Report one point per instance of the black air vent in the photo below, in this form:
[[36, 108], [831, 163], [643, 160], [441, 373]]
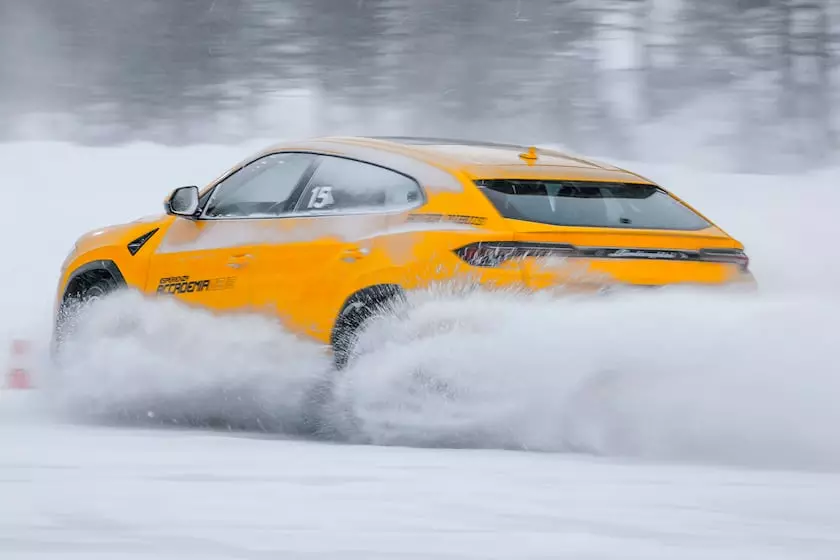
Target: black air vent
[[138, 243]]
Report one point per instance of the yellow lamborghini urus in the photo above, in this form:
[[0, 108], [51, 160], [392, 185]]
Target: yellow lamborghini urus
[[322, 233]]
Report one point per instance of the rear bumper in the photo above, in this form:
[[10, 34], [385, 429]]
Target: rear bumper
[[741, 283]]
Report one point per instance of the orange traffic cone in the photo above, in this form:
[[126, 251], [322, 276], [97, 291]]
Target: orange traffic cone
[[19, 376]]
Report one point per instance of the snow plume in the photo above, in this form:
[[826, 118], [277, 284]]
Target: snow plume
[[677, 374], [132, 360]]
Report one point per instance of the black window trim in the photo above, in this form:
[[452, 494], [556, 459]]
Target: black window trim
[[300, 188]]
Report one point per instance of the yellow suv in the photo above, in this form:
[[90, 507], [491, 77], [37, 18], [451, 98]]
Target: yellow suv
[[322, 232]]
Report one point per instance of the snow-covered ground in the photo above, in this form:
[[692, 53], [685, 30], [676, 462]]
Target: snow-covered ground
[[681, 425]]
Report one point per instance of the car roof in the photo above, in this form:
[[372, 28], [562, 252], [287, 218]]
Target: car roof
[[479, 159]]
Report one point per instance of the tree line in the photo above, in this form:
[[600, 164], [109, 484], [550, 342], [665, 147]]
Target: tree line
[[749, 80]]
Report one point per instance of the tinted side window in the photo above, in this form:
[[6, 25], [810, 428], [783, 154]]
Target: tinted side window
[[263, 187], [340, 185]]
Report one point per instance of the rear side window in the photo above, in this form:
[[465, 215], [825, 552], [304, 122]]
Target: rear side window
[[590, 204], [345, 185]]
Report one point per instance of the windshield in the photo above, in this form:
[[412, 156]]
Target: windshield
[[590, 204]]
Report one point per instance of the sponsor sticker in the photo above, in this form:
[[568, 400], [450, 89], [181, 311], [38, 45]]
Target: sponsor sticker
[[453, 218], [183, 284]]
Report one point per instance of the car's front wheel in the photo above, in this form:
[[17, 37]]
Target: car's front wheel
[[81, 294]]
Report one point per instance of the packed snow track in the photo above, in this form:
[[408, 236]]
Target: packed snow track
[[680, 424]]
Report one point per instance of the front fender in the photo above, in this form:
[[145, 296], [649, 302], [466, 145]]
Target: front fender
[[109, 249]]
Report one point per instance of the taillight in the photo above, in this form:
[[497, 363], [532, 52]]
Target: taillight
[[495, 253], [485, 254], [734, 256]]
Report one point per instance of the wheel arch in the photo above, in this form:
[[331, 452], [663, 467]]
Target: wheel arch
[[89, 273]]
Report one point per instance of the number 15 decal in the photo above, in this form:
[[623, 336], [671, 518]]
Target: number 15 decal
[[321, 197]]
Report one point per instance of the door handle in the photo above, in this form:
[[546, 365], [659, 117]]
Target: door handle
[[354, 253], [239, 260]]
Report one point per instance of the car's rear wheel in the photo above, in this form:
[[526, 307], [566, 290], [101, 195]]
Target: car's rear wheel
[[319, 415], [355, 316]]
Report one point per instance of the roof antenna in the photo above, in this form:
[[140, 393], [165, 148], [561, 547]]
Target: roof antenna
[[530, 155]]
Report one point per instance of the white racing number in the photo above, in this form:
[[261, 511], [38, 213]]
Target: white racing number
[[321, 197]]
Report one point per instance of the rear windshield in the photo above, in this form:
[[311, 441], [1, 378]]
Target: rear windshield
[[590, 204]]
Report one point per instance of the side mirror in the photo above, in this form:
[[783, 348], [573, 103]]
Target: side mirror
[[183, 202]]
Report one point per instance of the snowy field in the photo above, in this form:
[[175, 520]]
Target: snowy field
[[679, 425]]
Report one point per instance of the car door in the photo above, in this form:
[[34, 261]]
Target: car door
[[207, 261], [331, 242]]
